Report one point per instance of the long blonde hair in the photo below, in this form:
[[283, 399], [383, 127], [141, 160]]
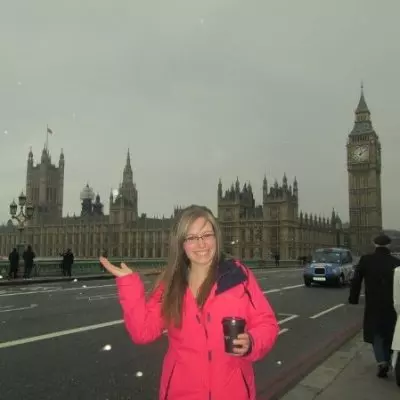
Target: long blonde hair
[[174, 278]]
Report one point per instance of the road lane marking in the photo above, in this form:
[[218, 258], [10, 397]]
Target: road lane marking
[[65, 290], [275, 270], [287, 319], [271, 291], [281, 289], [60, 289], [55, 290], [282, 321], [97, 297], [9, 308], [53, 335], [264, 278], [66, 332], [39, 288], [326, 311], [52, 289], [292, 287]]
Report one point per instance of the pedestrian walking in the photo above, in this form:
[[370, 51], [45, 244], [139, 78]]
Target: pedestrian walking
[[13, 258], [67, 262], [377, 272], [199, 299], [29, 257]]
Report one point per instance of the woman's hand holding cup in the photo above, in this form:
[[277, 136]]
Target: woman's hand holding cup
[[242, 344], [237, 341]]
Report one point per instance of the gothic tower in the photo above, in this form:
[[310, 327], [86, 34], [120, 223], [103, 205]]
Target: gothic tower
[[235, 206], [364, 179], [280, 213], [45, 187], [125, 206], [236, 203]]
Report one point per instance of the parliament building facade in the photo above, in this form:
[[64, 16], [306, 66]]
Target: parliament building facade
[[250, 230]]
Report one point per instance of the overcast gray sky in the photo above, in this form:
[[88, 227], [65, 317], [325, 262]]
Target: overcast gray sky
[[198, 89]]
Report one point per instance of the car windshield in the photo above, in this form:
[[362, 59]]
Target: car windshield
[[326, 257]]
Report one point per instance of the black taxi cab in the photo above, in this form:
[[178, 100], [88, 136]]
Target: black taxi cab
[[334, 265]]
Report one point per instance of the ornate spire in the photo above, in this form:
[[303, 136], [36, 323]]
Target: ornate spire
[[61, 161], [284, 180], [362, 122], [128, 174], [362, 104], [220, 188], [128, 167]]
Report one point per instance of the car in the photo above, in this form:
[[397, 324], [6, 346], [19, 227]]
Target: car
[[329, 266]]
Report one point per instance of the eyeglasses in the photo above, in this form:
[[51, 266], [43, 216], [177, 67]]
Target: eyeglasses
[[206, 238]]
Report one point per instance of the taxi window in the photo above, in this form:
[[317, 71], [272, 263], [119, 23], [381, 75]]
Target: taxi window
[[347, 258], [327, 257]]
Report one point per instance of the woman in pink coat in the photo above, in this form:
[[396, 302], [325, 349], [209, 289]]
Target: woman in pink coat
[[196, 291]]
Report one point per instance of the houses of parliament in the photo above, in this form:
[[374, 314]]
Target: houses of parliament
[[250, 230]]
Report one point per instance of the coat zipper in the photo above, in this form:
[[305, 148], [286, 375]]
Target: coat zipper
[[169, 382], [209, 353], [245, 383], [203, 323]]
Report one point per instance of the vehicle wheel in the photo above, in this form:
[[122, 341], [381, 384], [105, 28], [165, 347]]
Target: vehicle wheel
[[341, 281], [307, 282]]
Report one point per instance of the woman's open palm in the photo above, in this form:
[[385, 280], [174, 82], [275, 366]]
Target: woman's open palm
[[116, 271]]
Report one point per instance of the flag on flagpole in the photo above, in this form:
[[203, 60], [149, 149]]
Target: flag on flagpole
[[49, 131]]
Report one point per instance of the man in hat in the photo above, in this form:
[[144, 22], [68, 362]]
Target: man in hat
[[377, 272]]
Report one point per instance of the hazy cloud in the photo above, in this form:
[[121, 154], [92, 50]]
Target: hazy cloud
[[198, 90]]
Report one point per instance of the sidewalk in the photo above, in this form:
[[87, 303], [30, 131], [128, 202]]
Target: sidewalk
[[349, 374]]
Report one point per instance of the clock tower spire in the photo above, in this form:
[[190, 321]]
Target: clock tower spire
[[362, 121], [364, 176]]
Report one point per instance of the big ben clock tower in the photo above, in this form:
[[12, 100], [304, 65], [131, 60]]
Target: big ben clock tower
[[364, 173]]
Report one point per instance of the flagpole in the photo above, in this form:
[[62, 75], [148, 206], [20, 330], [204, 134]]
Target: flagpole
[[47, 138]]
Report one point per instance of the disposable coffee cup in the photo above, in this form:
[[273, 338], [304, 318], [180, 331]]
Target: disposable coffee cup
[[233, 327]]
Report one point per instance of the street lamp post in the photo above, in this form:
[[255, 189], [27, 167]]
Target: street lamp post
[[25, 214], [337, 226], [259, 244], [235, 246]]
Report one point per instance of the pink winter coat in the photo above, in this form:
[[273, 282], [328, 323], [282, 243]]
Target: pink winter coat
[[196, 366]]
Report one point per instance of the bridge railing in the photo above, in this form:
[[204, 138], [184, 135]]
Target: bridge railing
[[52, 267]]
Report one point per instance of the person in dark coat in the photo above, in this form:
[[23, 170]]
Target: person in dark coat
[[14, 263], [68, 260], [29, 257], [377, 272]]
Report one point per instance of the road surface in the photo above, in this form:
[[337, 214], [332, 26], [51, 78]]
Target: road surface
[[67, 341]]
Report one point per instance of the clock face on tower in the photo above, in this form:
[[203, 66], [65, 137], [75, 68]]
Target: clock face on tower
[[360, 153]]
